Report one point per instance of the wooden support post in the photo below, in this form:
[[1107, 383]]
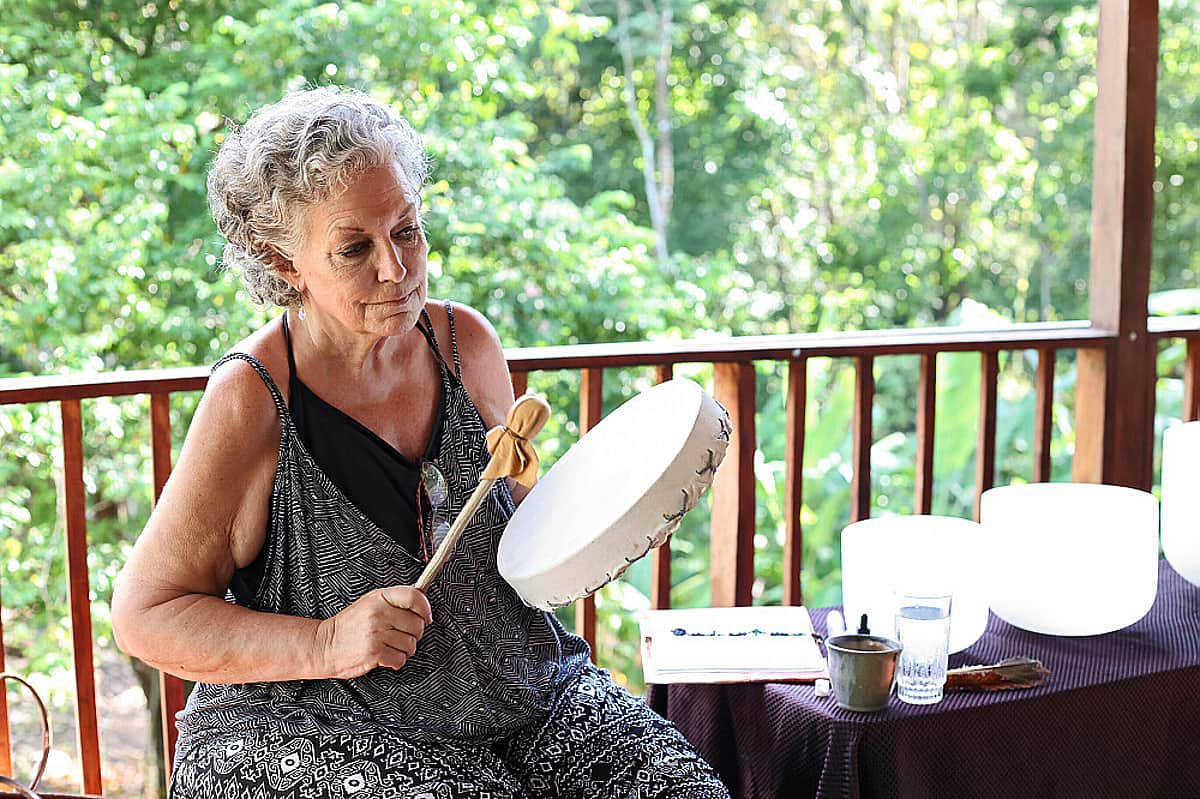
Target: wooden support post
[[1114, 418], [732, 547]]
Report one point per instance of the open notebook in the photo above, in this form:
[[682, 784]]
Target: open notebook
[[718, 645]]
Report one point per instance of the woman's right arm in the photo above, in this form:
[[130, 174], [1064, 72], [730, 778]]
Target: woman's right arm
[[168, 606]]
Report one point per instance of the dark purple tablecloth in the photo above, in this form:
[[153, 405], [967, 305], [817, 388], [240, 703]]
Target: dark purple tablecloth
[[1119, 717]]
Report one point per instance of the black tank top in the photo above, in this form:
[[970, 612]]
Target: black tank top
[[370, 472]]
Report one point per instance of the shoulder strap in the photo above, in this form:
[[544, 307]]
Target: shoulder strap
[[426, 328], [280, 405], [287, 338], [453, 341]]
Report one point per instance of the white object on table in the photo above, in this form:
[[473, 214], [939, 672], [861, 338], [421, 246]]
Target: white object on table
[[929, 555], [722, 645], [1071, 558], [1181, 499]]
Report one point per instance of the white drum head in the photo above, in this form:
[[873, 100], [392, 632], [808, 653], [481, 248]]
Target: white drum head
[[620, 491]]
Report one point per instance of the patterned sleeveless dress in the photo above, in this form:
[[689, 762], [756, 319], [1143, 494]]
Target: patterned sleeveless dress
[[497, 701]]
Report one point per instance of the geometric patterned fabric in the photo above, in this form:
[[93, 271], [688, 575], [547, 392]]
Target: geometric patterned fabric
[[597, 742], [488, 672]]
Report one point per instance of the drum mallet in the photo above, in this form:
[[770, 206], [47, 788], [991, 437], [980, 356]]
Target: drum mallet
[[512, 456]]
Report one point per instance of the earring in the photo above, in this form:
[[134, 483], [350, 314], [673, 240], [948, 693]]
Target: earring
[[301, 311]]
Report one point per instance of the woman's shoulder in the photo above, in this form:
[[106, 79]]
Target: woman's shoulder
[[466, 318], [474, 334], [239, 390]]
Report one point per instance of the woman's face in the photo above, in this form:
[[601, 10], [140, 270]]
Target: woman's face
[[361, 263]]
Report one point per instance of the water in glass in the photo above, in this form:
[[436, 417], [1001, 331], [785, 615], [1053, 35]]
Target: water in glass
[[923, 626]]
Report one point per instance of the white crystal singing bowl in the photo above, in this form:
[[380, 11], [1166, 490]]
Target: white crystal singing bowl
[[1181, 500], [917, 555], [1070, 558]]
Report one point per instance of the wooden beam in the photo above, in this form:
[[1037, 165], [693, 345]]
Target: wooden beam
[[926, 416], [591, 410], [793, 542], [864, 402], [746, 349], [1122, 226], [660, 558], [1043, 416], [732, 548], [79, 597], [985, 451]]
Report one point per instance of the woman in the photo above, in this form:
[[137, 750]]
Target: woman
[[277, 569]]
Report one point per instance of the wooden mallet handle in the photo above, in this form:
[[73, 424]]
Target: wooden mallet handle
[[512, 456]]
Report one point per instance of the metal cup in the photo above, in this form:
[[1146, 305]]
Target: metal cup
[[862, 669]]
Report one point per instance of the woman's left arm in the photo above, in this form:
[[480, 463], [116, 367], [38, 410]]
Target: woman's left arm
[[485, 372]]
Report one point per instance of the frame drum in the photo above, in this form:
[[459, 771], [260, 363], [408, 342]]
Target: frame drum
[[616, 494]]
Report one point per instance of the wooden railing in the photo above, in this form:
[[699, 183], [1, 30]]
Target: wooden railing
[[733, 360]]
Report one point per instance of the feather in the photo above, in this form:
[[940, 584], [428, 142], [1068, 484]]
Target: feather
[[1018, 672]]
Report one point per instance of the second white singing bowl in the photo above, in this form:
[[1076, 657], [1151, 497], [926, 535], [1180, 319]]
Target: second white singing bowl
[[930, 555], [1071, 558]]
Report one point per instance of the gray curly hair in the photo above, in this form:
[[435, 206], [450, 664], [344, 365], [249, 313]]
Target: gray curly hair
[[288, 157]]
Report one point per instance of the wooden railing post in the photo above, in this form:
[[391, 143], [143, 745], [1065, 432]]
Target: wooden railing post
[[1043, 416], [732, 547], [171, 691], [6, 766], [985, 452], [591, 401], [660, 558], [793, 542], [1114, 413], [926, 418], [520, 382], [79, 596], [1191, 371], [864, 403]]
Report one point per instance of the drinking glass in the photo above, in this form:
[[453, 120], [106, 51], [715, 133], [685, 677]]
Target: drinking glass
[[923, 627]]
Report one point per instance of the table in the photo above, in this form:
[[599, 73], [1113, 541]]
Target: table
[[1119, 717]]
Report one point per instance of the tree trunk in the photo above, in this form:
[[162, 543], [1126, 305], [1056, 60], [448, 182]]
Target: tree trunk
[[659, 182], [662, 108]]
